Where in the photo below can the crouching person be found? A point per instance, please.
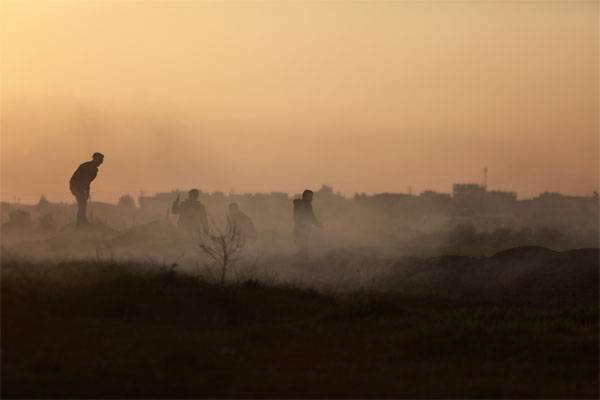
(242, 224)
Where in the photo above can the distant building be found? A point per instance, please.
(501, 195)
(461, 191)
(500, 202)
(431, 203)
(391, 199)
(432, 195)
(468, 197)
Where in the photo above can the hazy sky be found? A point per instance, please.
(365, 96)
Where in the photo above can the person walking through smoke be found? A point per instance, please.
(80, 185)
(192, 214)
(304, 220)
(242, 224)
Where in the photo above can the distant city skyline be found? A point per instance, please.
(113, 197)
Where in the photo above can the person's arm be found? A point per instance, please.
(314, 219)
(93, 172)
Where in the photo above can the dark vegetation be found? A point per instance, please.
(124, 329)
(522, 275)
(467, 240)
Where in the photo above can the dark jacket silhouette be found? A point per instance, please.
(192, 214)
(80, 184)
(304, 221)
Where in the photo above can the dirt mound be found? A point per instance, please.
(523, 252)
(158, 240)
(527, 275)
(570, 277)
(71, 241)
(156, 232)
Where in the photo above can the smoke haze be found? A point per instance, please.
(262, 97)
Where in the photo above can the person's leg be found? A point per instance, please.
(81, 209)
(301, 239)
(84, 209)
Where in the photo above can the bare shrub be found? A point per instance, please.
(224, 248)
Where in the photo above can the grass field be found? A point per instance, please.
(109, 329)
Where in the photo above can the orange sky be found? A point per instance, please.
(367, 97)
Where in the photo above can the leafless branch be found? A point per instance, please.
(224, 248)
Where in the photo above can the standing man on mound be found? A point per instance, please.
(304, 220)
(192, 214)
(80, 185)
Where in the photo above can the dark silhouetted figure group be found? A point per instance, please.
(192, 213)
(80, 185)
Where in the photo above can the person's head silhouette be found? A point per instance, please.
(97, 158)
(193, 194)
(307, 195)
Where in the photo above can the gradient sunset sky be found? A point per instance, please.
(280, 96)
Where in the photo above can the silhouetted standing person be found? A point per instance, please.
(304, 220)
(80, 185)
(192, 214)
(242, 223)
